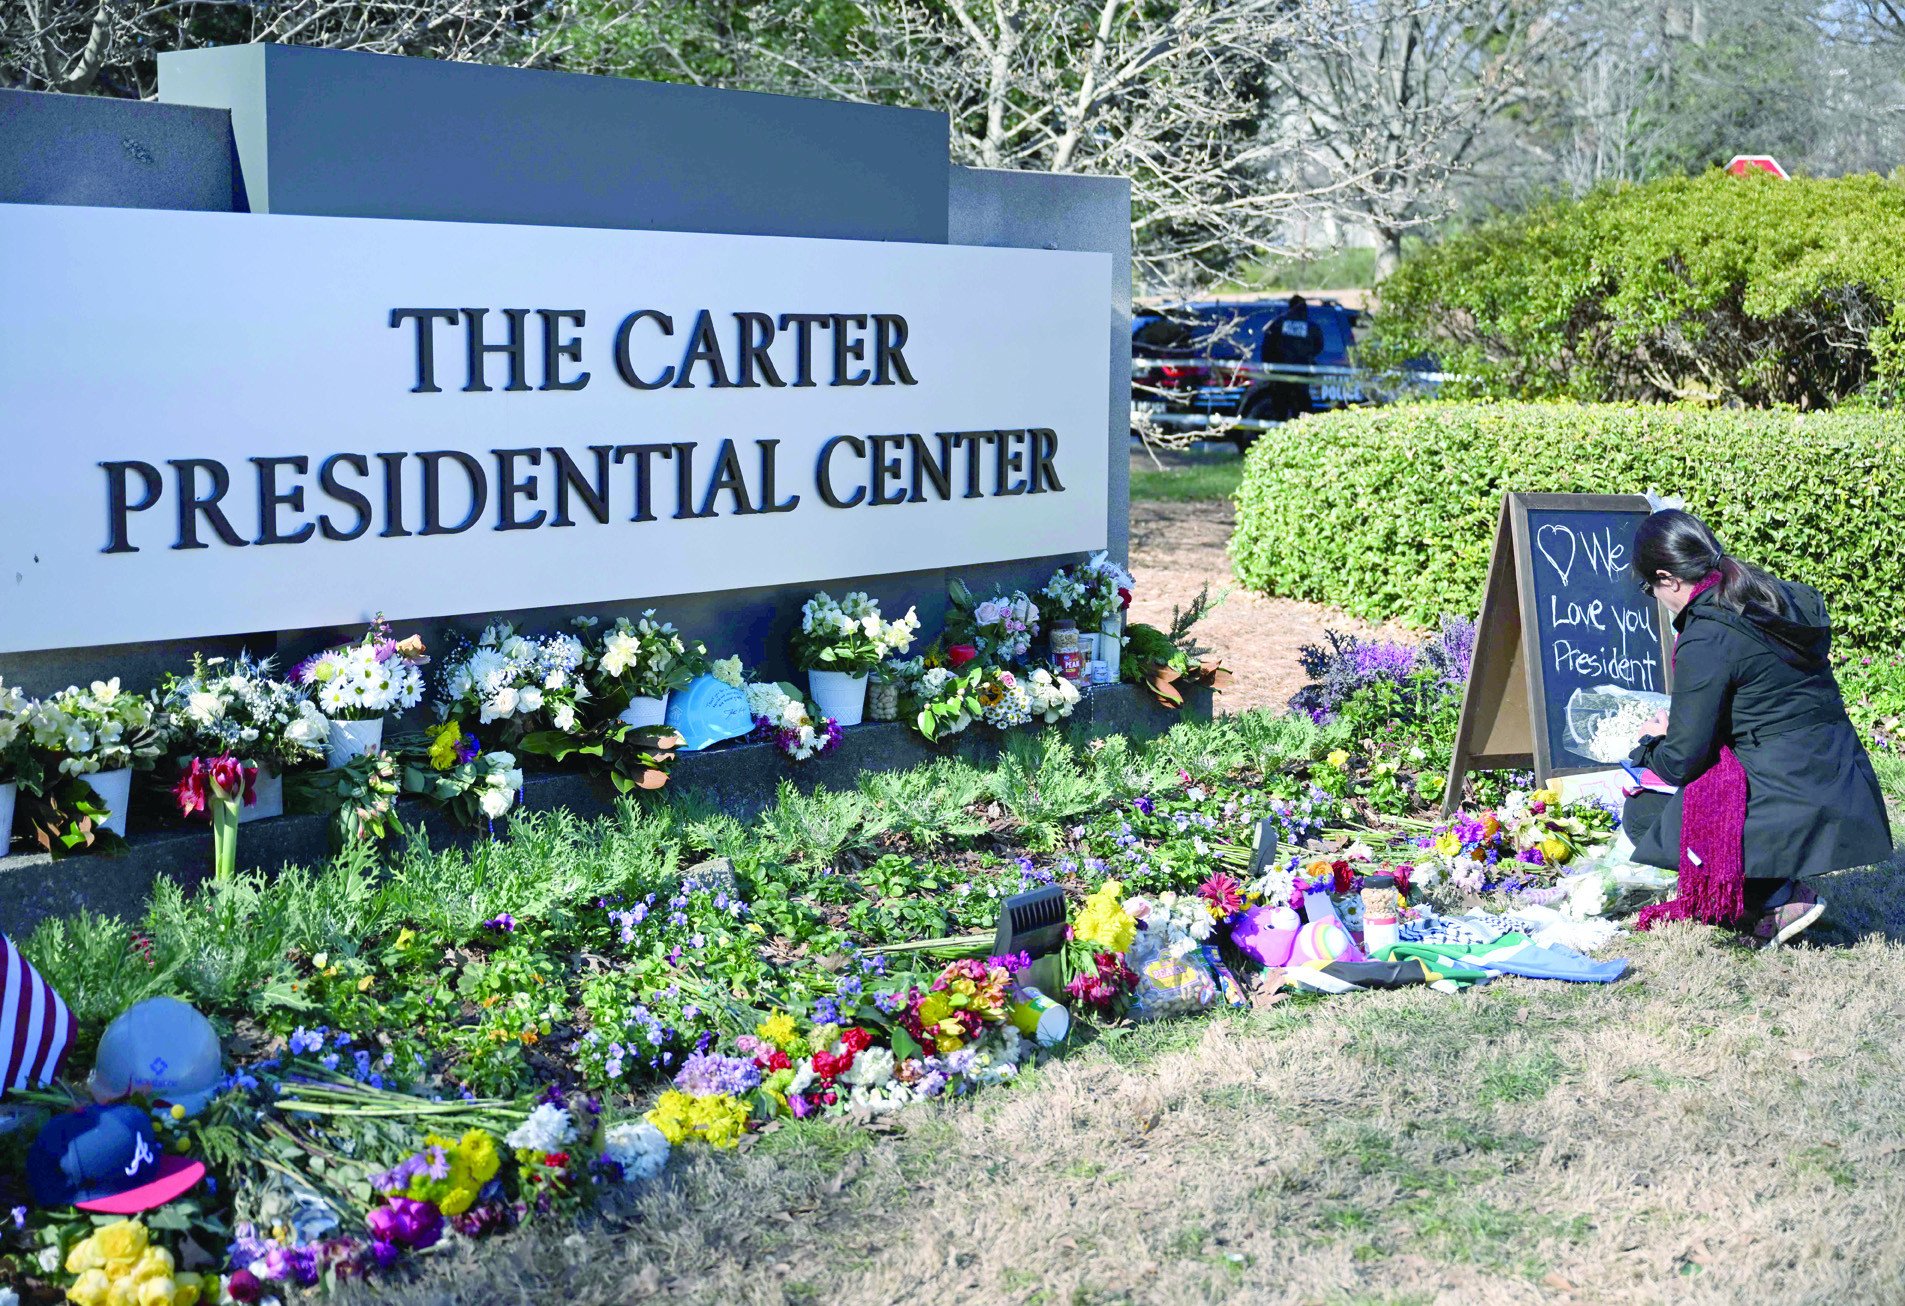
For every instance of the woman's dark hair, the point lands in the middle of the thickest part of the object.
(1680, 544)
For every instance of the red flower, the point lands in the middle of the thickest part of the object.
(556, 1160)
(233, 778)
(831, 1064)
(775, 1060)
(1403, 874)
(857, 1039)
(1124, 597)
(1343, 876)
(960, 654)
(190, 790)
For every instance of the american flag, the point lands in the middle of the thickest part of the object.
(36, 1028)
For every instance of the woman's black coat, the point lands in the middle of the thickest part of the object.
(1762, 683)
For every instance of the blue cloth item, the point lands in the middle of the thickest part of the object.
(1550, 961)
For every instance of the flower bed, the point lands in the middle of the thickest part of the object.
(469, 1042)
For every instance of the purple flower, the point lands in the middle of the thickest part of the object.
(406, 1223)
(705, 1074)
(504, 923)
(826, 1012)
(1144, 805)
(1532, 856)
(467, 749)
(383, 1252)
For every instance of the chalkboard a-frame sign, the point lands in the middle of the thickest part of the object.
(1562, 612)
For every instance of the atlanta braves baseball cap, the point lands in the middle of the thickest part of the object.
(105, 1159)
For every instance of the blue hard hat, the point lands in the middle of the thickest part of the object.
(163, 1049)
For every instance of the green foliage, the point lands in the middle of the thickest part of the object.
(1039, 781)
(815, 829)
(1713, 288)
(1874, 690)
(93, 963)
(1391, 513)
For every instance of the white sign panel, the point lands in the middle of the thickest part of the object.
(220, 423)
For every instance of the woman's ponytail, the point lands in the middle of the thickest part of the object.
(1681, 545)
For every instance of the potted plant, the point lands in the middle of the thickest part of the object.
(99, 734)
(235, 707)
(839, 643)
(15, 707)
(515, 685)
(356, 685)
(639, 664)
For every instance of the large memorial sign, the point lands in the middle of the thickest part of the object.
(218, 423)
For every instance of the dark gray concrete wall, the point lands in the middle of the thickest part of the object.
(343, 134)
(77, 149)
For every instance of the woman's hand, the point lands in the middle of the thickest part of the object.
(1656, 726)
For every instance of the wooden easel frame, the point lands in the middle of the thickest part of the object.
(1504, 721)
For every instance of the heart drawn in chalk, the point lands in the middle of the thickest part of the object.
(1562, 561)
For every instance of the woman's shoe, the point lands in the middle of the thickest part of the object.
(1785, 922)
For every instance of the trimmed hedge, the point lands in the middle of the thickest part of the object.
(1391, 512)
(1713, 288)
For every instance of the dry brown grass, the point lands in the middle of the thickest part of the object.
(1723, 1126)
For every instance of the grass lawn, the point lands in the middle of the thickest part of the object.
(1722, 1126)
(1213, 472)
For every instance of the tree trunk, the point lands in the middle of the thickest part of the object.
(1388, 252)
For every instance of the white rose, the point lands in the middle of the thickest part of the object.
(530, 700)
(495, 802)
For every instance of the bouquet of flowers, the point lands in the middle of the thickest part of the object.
(781, 714)
(1003, 700)
(473, 783)
(1052, 697)
(849, 636)
(366, 680)
(101, 728)
(235, 707)
(1101, 933)
(1088, 592)
(1001, 628)
(518, 681)
(1527, 841)
(944, 702)
(645, 659)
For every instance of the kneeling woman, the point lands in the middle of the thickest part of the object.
(1775, 785)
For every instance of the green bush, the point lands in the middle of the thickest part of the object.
(1714, 288)
(1391, 512)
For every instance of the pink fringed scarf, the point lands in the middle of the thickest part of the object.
(1712, 824)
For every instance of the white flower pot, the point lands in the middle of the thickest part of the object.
(1111, 642)
(269, 787)
(642, 711)
(8, 792)
(839, 695)
(115, 791)
(352, 739)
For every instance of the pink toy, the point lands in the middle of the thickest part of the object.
(1266, 935)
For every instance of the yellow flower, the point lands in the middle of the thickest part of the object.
(991, 693)
(478, 1151)
(122, 1243)
(1338, 759)
(934, 1007)
(123, 1292)
(157, 1292)
(456, 1201)
(404, 936)
(948, 1042)
(178, 1112)
(85, 1256)
(1103, 922)
(1447, 844)
(1556, 851)
(443, 742)
(779, 1030)
(187, 1289)
(156, 1263)
(91, 1287)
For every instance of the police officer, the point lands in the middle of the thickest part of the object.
(1291, 338)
